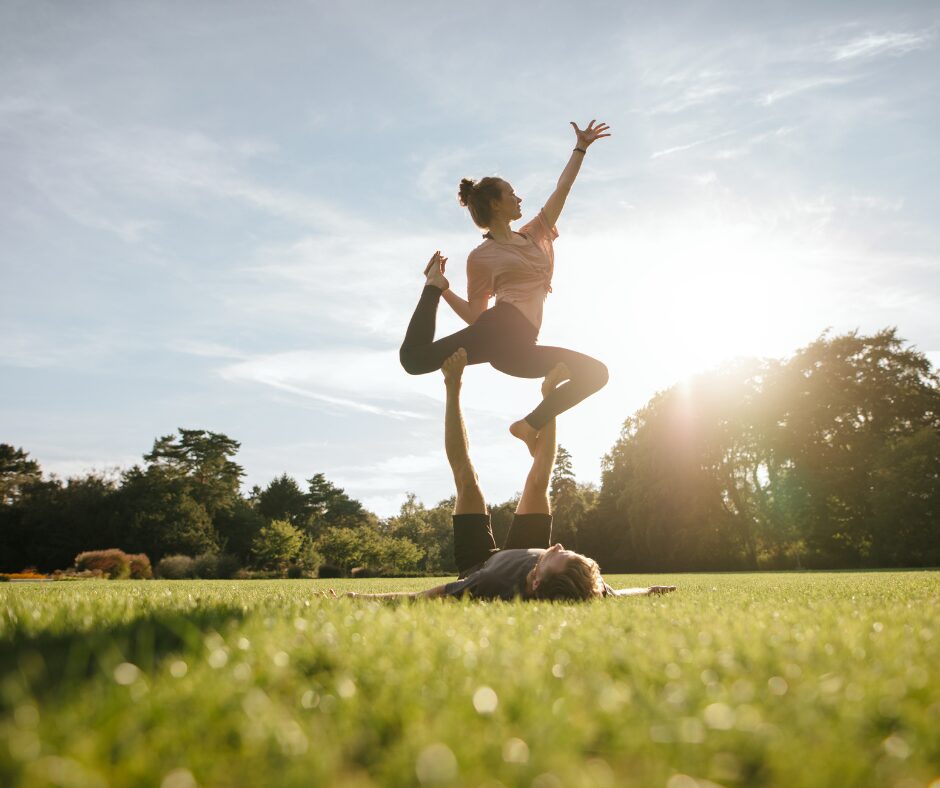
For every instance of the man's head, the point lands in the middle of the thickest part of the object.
(564, 574)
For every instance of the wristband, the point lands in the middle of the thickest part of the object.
(581, 150)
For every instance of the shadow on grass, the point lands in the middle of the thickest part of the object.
(45, 665)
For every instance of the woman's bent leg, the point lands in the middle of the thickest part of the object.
(420, 354)
(535, 361)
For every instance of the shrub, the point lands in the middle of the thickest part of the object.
(74, 574)
(276, 545)
(176, 567)
(329, 570)
(216, 566)
(140, 567)
(228, 566)
(306, 562)
(113, 563)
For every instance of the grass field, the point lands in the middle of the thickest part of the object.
(818, 679)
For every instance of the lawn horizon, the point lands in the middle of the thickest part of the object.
(782, 678)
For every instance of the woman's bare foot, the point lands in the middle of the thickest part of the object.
(434, 271)
(453, 366)
(525, 432)
(556, 376)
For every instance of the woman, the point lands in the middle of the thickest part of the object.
(515, 268)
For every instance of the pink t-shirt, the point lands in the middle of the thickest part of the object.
(520, 274)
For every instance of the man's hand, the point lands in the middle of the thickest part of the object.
(434, 271)
(453, 367)
(659, 590)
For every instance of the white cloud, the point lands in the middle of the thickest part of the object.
(874, 44)
(804, 85)
(679, 148)
(348, 378)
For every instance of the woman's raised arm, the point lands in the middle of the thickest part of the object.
(585, 137)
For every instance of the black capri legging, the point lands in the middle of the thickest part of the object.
(505, 339)
(474, 543)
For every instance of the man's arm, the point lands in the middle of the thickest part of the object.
(430, 593)
(650, 591)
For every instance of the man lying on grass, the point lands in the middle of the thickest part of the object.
(526, 567)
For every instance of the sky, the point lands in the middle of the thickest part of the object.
(215, 215)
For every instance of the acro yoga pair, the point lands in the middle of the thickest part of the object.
(515, 268)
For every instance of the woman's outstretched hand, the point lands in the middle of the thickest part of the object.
(590, 134)
(434, 271)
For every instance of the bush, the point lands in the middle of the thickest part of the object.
(276, 546)
(113, 563)
(306, 562)
(74, 574)
(140, 567)
(176, 567)
(329, 570)
(216, 566)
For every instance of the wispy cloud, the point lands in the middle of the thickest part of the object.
(679, 148)
(350, 378)
(874, 44)
(193, 347)
(798, 86)
(691, 89)
(102, 175)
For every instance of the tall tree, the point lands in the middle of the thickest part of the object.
(568, 505)
(203, 460)
(16, 470)
(283, 499)
(330, 506)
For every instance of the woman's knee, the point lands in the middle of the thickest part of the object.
(595, 375)
(411, 362)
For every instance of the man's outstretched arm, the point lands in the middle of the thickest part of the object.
(649, 591)
(430, 593)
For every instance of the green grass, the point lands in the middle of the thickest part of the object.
(828, 679)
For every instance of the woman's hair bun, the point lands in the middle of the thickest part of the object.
(466, 189)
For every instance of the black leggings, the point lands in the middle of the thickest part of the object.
(503, 337)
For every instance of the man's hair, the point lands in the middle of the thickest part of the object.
(580, 579)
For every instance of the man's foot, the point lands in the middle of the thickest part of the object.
(434, 271)
(453, 366)
(556, 376)
(525, 432)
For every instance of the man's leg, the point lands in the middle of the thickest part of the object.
(532, 525)
(473, 536)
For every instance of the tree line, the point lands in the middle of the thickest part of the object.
(829, 459)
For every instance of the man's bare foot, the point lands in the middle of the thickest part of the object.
(434, 271)
(525, 432)
(453, 366)
(556, 376)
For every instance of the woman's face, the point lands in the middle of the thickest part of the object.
(508, 207)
